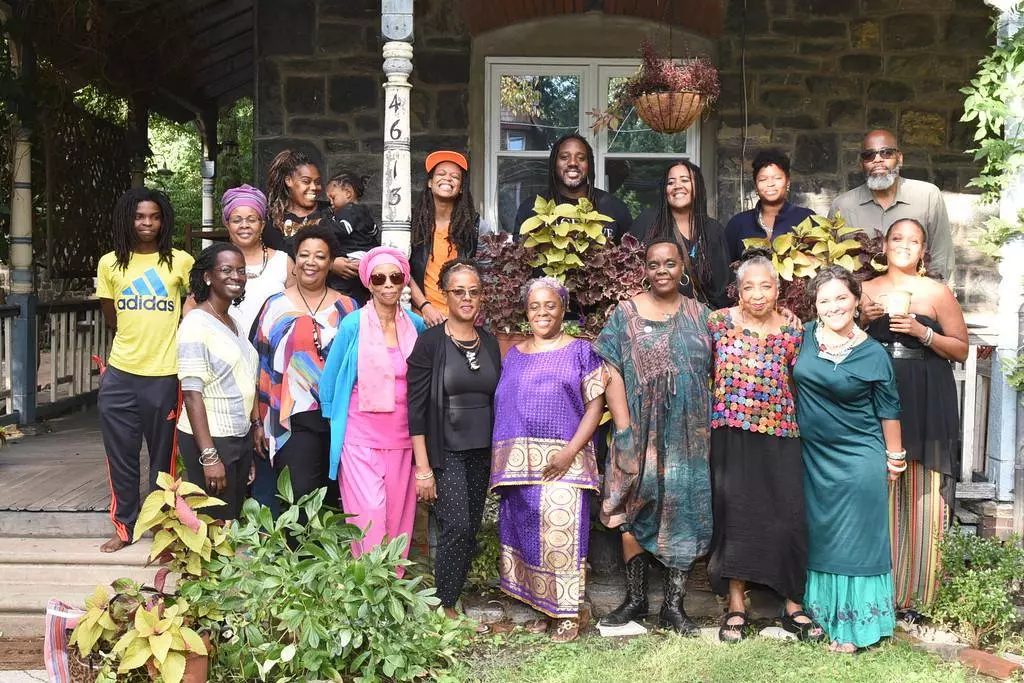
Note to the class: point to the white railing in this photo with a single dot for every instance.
(74, 332)
(973, 380)
(7, 316)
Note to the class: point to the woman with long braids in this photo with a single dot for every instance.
(364, 391)
(445, 226)
(217, 368)
(140, 285)
(682, 217)
(657, 492)
(293, 336)
(293, 193)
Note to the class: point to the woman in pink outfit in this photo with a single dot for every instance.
(364, 382)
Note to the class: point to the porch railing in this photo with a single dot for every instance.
(973, 380)
(70, 334)
(7, 316)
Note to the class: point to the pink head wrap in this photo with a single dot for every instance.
(380, 256)
(246, 195)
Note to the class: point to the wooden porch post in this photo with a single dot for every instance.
(23, 295)
(396, 202)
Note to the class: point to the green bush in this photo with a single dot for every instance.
(483, 572)
(297, 606)
(981, 580)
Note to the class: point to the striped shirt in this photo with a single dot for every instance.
(222, 366)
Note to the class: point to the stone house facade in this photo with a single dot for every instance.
(807, 76)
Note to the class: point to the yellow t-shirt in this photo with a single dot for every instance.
(441, 252)
(147, 297)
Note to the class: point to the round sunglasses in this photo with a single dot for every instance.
(378, 279)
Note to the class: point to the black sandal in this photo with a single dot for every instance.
(802, 631)
(740, 628)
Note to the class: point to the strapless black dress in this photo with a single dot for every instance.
(929, 416)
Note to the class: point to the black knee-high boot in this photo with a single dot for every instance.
(672, 614)
(635, 605)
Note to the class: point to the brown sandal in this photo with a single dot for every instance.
(536, 626)
(566, 631)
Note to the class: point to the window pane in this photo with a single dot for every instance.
(633, 135)
(518, 179)
(537, 110)
(637, 182)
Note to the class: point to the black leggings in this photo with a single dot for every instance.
(307, 456)
(459, 509)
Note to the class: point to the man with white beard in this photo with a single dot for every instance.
(886, 198)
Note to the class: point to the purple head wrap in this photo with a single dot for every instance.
(246, 195)
(546, 283)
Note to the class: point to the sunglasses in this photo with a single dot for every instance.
(464, 293)
(886, 153)
(378, 279)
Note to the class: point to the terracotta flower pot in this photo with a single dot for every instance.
(506, 340)
(197, 667)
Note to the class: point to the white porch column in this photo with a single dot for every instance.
(1003, 401)
(396, 201)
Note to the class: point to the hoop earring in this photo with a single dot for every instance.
(879, 266)
(646, 284)
(685, 280)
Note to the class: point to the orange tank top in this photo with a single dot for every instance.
(441, 252)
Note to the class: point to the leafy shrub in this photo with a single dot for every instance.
(298, 606)
(981, 580)
(483, 572)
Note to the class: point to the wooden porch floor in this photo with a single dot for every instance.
(59, 468)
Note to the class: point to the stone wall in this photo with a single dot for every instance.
(320, 84)
(819, 74)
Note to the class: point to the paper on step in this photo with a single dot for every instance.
(630, 629)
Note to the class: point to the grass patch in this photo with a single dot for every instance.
(670, 659)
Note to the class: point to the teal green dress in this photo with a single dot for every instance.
(839, 410)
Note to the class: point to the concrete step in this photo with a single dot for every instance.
(33, 570)
(55, 524)
(70, 551)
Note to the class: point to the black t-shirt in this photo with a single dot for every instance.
(280, 236)
(604, 202)
(469, 398)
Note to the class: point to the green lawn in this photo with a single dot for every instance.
(671, 659)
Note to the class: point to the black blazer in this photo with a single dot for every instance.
(425, 386)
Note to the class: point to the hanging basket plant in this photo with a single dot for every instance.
(667, 94)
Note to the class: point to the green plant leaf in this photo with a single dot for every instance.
(160, 644)
(173, 668)
(531, 224)
(284, 486)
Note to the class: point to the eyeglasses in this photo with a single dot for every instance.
(461, 293)
(886, 153)
(378, 279)
(245, 220)
(227, 270)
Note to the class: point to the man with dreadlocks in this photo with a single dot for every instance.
(140, 285)
(571, 177)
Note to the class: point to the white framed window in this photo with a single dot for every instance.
(531, 102)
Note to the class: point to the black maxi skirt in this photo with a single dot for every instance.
(760, 527)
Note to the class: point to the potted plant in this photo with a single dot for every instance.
(144, 627)
(814, 243)
(667, 94)
(567, 242)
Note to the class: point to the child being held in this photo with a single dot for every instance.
(356, 230)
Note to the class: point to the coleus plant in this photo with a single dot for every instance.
(561, 234)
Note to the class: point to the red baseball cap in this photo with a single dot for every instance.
(434, 158)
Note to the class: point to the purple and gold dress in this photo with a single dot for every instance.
(543, 525)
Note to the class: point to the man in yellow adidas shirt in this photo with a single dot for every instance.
(140, 285)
